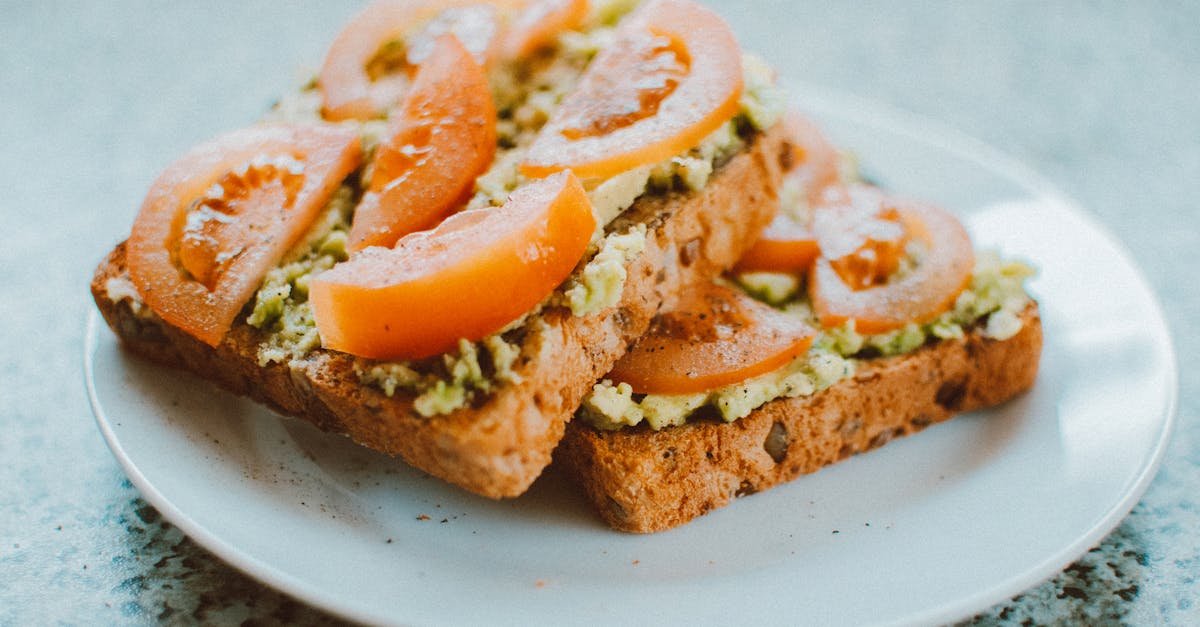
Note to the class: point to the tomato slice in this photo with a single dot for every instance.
(920, 295)
(539, 24)
(816, 164)
(218, 219)
(367, 68)
(863, 240)
(443, 137)
(715, 336)
(476, 25)
(672, 76)
(476, 272)
(788, 243)
(784, 246)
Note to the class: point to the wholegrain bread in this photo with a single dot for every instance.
(642, 480)
(497, 447)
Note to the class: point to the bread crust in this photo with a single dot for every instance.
(497, 448)
(643, 481)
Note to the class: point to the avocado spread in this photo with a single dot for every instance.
(453, 383)
(613, 406)
(281, 306)
(525, 94)
(994, 300)
(772, 288)
(600, 284)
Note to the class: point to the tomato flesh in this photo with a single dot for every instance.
(864, 241)
(611, 101)
(468, 277)
(920, 295)
(476, 26)
(788, 243)
(367, 69)
(218, 219)
(443, 137)
(815, 163)
(539, 23)
(671, 78)
(208, 239)
(715, 336)
(784, 246)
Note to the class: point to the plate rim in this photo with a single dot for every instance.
(865, 112)
(969, 147)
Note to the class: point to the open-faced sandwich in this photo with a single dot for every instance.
(856, 318)
(444, 241)
(446, 244)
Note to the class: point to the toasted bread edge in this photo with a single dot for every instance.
(643, 481)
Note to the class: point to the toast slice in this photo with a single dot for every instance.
(499, 445)
(642, 480)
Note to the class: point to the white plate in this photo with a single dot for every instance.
(929, 528)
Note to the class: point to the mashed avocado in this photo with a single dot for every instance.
(452, 384)
(691, 170)
(762, 103)
(525, 95)
(611, 197)
(994, 299)
(528, 94)
(772, 288)
(281, 305)
(609, 12)
(613, 406)
(602, 280)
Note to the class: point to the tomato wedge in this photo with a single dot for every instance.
(788, 243)
(442, 138)
(716, 336)
(218, 219)
(467, 278)
(366, 70)
(672, 76)
(930, 288)
(539, 23)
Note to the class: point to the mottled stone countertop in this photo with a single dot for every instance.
(1101, 98)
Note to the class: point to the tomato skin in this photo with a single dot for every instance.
(716, 336)
(694, 67)
(919, 296)
(265, 223)
(442, 138)
(468, 277)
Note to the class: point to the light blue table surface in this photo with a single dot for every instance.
(1102, 98)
